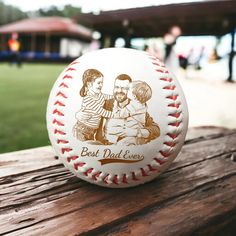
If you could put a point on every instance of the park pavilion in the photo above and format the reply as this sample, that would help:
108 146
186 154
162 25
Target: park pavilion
52 38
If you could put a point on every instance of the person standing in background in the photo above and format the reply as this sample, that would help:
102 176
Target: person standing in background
171 59
14 46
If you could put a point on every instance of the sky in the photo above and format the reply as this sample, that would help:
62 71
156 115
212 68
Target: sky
89 5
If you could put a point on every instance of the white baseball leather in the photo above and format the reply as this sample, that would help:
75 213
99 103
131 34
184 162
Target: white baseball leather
167 107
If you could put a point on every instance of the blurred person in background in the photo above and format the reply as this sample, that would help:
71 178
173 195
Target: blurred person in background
171 59
197 63
184 60
14 46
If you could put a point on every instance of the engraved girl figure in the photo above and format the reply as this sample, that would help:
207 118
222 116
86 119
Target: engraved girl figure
91 112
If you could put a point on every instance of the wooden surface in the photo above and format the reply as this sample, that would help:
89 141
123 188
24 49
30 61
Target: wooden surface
196 196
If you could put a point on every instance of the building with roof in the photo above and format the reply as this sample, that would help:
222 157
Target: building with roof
207 17
53 38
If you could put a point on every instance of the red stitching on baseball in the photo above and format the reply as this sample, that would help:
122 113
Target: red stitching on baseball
79 164
74 62
88 171
67 77
164 154
171 87
105 179
70 69
59 132
143 172
72 158
173 97
96 175
156 64
59 113
62 141
176 115
115 179
63 85
134 177
63 150
170 144
162 71
177 105
176 124
151 168
57 122
59 104
173 136
166 79
61 94
124 179
159 161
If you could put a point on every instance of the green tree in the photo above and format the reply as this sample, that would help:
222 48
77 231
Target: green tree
52 11
10 14
67 11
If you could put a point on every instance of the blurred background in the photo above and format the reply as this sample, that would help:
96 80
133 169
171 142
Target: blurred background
195 39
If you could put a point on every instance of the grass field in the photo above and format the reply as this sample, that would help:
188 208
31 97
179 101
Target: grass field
23 99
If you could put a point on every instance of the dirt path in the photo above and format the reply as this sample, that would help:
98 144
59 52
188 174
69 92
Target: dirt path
211 100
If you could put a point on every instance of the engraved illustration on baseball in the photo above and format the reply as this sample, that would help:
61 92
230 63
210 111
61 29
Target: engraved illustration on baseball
117 117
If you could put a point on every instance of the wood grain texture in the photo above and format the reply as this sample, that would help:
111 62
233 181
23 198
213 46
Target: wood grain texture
196 196
27 160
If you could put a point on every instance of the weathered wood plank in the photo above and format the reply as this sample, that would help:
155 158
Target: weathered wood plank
205 211
27 160
205 148
206 131
77 207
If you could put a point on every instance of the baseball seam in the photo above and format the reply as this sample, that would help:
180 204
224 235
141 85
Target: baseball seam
175 118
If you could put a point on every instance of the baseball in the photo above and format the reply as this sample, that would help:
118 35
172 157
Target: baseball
117 117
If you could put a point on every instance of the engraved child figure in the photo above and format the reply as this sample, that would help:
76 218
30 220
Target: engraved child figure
91 112
135 114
